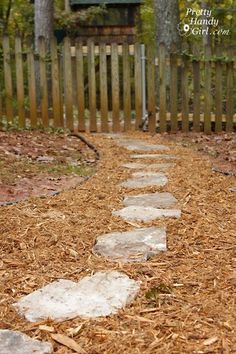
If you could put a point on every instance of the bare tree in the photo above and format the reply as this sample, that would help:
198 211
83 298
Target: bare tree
43 20
167 20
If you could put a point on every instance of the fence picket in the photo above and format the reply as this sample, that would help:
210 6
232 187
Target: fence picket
173 90
8 79
185 95
162 82
207 91
92 86
43 82
196 90
126 87
218 95
56 94
19 82
31 87
68 84
80 85
230 87
138 84
103 87
151 89
115 88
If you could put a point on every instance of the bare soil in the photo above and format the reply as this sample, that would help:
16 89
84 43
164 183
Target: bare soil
187 298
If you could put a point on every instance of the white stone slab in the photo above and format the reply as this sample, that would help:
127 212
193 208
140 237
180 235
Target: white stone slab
145 147
153 156
145 181
102 294
12 342
160 167
131 246
155 200
141 213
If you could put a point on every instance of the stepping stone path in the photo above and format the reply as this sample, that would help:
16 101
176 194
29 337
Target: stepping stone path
90 297
104 293
141 213
131 246
12 342
159 167
145 179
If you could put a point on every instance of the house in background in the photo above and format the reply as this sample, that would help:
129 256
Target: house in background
119 23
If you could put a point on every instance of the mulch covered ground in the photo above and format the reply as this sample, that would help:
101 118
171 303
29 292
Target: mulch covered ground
187 298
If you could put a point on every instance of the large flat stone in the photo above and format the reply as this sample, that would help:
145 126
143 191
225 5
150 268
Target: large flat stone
153 156
99 295
155 200
131 246
12 342
145 179
141 146
141 213
160 167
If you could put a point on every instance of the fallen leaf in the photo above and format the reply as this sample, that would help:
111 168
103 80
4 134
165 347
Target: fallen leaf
210 341
67 342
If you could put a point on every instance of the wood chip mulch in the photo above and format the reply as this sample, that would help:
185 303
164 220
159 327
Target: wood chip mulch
187 298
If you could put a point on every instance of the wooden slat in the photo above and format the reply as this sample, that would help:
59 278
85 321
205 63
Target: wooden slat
56 94
31 86
219 94
19 82
185 95
151 89
173 90
126 87
43 82
1 105
162 82
8 78
138 84
68 84
229 96
115 88
196 90
92 86
103 87
207 91
80 85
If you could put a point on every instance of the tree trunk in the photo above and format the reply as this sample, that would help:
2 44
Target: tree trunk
43 19
167 20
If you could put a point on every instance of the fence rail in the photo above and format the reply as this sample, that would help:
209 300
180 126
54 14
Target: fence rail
99 87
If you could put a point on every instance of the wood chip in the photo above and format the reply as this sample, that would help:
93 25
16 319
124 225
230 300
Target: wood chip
210 341
67 342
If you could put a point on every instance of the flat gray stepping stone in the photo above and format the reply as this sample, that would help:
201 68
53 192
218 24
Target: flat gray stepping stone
98 295
153 156
155 200
141 213
140 146
143 181
131 246
12 342
161 167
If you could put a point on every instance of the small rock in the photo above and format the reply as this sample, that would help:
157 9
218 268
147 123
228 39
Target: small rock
232 189
12 342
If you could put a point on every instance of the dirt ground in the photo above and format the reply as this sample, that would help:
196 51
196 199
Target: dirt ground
187 298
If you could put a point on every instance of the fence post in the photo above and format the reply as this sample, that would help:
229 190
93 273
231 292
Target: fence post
56 95
196 89
162 81
207 91
218 88
138 85
151 89
103 87
126 87
230 86
43 81
173 89
8 78
115 87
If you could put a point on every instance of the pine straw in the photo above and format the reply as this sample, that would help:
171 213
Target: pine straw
43 240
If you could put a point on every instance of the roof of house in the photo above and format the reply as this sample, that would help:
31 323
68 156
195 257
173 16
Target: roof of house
105 2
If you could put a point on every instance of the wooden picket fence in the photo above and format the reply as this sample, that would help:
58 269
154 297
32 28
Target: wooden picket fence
88 87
